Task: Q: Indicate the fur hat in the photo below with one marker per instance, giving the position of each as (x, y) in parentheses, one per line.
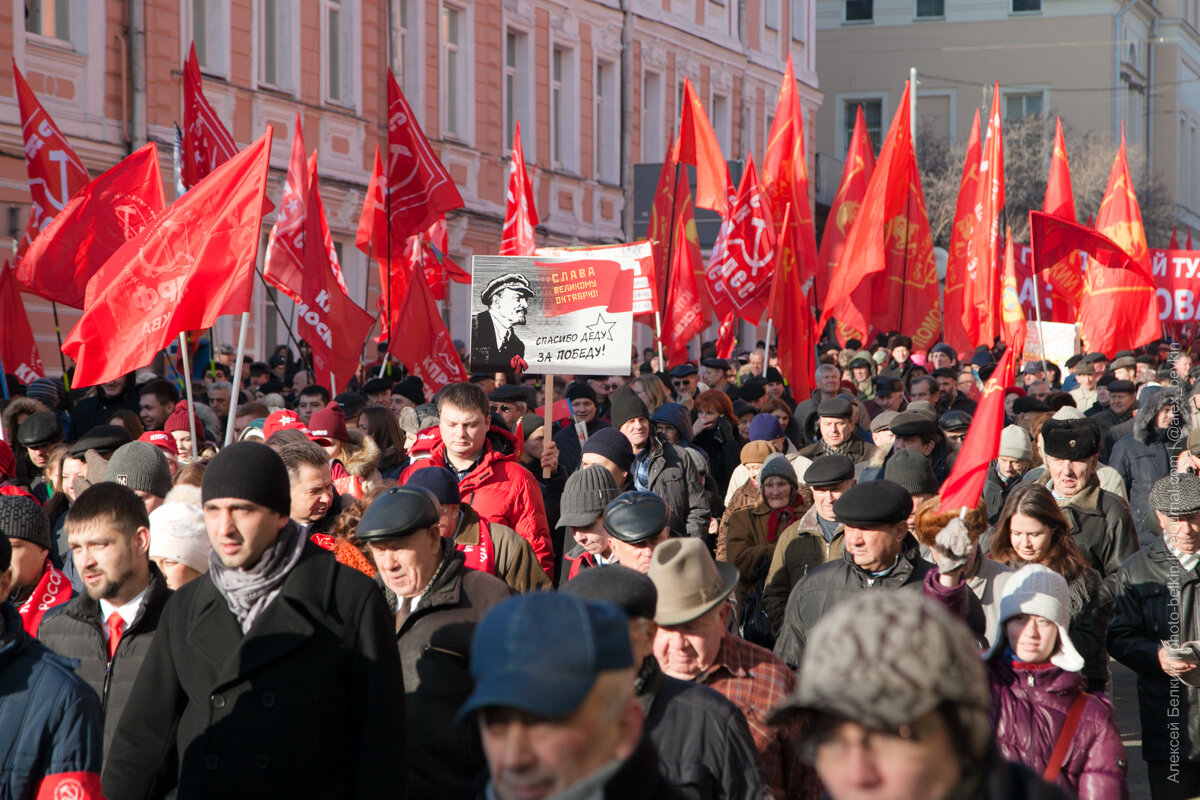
(930, 520)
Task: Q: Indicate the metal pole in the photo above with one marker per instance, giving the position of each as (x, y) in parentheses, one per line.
(187, 384)
(912, 104)
(62, 359)
(658, 332)
(1037, 313)
(237, 370)
(767, 349)
(4, 386)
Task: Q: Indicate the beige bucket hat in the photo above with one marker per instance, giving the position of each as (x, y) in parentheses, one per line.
(688, 581)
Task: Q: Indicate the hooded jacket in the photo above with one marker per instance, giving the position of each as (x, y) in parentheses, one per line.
(1149, 453)
(499, 489)
(1029, 709)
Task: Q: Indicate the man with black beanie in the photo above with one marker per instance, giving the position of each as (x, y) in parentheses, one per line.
(275, 674)
(661, 467)
(584, 406)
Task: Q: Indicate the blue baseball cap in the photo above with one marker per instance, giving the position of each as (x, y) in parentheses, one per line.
(542, 653)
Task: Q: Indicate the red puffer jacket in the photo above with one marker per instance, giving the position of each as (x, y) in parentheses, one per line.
(1029, 708)
(500, 490)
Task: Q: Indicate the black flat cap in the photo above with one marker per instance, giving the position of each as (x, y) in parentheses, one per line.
(1121, 353)
(838, 407)
(829, 471)
(913, 423)
(377, 385)
(39, 428)
(397, 512)
(1072, 439)
(1122, 387)
(627, 589)
(513, 280)
(752, 389)
(636, 516)
(774, 375)
(741, 408)
(715, 363)
(955, 421)
(1123, 362)
(1024, 405)
(945, 372)
(861, 361)
(1032, 368)
(873, 504)
(885, 385)
(683, 370)
(1095, 358)
(1072, 361)
(411, 388)
(1177, 495)
(508, 393)
(102, 439)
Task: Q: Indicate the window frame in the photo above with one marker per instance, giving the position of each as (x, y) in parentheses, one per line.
(1012, 7)
(1023, 92)
(653, 130)
(407, 55)
(349, 54)
(463, 108)
(213, 60)
(564, 108)
(606, 99)
(917, 15)
(518, 82)
(844, 131)
(847, 19)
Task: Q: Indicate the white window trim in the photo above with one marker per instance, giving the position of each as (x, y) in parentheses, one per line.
(802, 34)
(654, 147)
(571, 117)
(779, 16)
(218, 63)
(526, 74)
(466, 133)
(613, 125)
(414, 92)
(727, 134)
(1042, 89)
(840, 130)
(952, 133)
(352, 61)
(289, 33)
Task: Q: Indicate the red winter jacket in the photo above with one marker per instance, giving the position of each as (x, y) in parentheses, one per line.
(1029, 708)
(500, 490)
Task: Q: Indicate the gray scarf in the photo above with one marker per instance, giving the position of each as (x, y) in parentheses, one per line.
(249, 591)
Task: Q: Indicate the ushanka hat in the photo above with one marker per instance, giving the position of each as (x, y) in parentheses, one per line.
(1040, 591)
(1071, 439)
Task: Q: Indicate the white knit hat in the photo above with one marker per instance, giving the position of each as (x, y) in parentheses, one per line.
(1014, 443)
(177, 533)
(1040, 591)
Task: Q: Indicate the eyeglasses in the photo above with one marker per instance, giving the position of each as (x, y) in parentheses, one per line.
(612, 387)
(501, 408)
(828, 738)
(680, 383)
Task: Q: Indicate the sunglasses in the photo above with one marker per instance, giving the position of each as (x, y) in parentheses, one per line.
(680, 383)
(501, 408)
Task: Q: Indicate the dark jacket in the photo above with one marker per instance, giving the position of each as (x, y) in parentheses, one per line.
(50, 721)
(724, 448)
(99, 408)
(1147, 454)
(674, 477)
(1029, 708)
(832, 583)
(857, 450)
(1089, 628)
(1151, 589)
(995, 492)
(570, 450)
(308, 703)
(486, 352)
(1103, 530)
(76, 630)
(445, 760)
(1112, 428)
(704, 745)
(800, 549)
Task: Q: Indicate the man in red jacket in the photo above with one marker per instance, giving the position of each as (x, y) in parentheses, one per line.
(484, 459)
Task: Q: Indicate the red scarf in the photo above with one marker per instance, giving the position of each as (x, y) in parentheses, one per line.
(780, 518)
(52, 590)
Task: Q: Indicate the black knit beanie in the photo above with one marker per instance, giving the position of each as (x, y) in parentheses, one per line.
(611, 444)
(626, 405)
(581, 391)
(248, 471)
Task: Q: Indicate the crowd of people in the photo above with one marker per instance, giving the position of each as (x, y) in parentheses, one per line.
(704, 582)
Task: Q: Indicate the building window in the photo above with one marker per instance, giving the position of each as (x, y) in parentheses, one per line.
(405, 50)
(1018, 105)
(931, 8)
(799, 18)
(771, 14)
(517, 105)
(653, 113)
(49, 18)
(860, 10)
(207, 27)
(562, 107)
(722, 122)
(339, 52)
(274, 45)
(872, 115)
(454, 72)
(608, 123)
(1026, 5)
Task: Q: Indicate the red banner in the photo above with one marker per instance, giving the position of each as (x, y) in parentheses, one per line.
(585, 284)
(206, 143)
(426, 349)
(749, 251)
(18, 348)
(520, 212)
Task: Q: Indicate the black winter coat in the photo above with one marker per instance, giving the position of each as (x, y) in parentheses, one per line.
(76, 630)
(445, 760)
(674, 477)
(724, 450)
(1147, 454)
(1151, 588)
(995, 492)
(309, 703)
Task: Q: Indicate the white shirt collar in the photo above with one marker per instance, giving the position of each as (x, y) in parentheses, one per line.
(128, 611)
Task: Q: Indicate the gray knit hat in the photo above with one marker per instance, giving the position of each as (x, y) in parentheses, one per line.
(585, 496)
(22, 518)
(884, 659)
(776, 465)
(140, 466)
(1177, 495)
(1014, 443)
(911, 470)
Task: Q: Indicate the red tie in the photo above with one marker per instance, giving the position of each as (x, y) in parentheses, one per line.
(115, 625)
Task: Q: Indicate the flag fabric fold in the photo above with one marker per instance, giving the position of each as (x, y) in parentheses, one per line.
(684, 319)
(18, 348)
(856, 175)
(105, 214)
(206, 143)
(194, 263)
(520, 212)
(1065, 275)
(956, 334)
(964, 486)
(426, 348)
(793, 318)
(981, 278)
(699, 147)
(283, 265)
(748, 252)
(1013, 329)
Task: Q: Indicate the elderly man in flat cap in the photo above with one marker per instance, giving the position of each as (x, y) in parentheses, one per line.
(494, 343)
(1156, 614)
(835, 421)
(880, 553)
(693, 643)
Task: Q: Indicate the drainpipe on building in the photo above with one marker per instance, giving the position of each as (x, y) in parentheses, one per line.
(137, 72)
(627, 114)
(1150, 99)
(743, 34)
(1117, 68)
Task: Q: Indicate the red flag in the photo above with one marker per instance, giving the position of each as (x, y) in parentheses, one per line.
(748, 254)
(785, 174)
(104, 215)
(435, 259)
(1174, 243)
(856, 174)
(981, 280)
(698, 146)
(727, 336)
(956, 263)
(964, 486)
(426, 348)
(662, 216)
(206, 143)
(55, 173)
(1120, 309)
(520, 212)
(1065, 276)
(417, 187)
(684, 319)
(793, 317)
(1012, 316)
(324, 308)
(283, 266)
(371, 223)
(18, 348)
(1051, 238)
(192, 264)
